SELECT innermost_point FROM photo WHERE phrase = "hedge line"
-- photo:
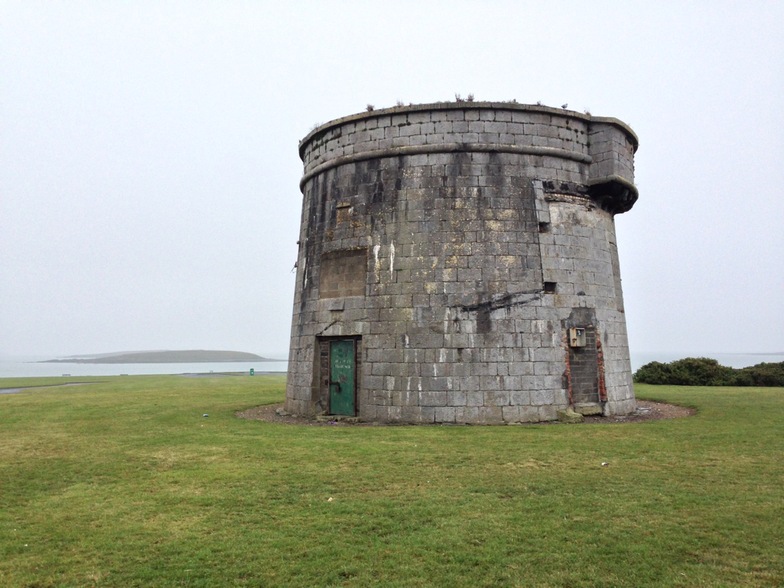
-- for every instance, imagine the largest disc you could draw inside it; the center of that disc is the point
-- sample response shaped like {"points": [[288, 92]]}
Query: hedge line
{"points": [[702, 371]]}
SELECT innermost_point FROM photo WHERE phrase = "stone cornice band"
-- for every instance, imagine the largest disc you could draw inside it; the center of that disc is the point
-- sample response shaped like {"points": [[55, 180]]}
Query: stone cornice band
{"points": [[444, 148]]}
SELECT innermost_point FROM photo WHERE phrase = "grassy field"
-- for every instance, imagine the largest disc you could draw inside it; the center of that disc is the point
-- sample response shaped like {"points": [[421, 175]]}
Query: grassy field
{"points": [[124, 482]]}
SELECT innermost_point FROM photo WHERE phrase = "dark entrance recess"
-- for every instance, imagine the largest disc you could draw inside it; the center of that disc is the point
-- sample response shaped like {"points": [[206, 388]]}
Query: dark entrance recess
{"points": [[584, 368]]}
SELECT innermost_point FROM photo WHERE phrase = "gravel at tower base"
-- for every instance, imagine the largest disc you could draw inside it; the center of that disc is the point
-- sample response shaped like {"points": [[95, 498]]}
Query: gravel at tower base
{"points": [[458, 264]]}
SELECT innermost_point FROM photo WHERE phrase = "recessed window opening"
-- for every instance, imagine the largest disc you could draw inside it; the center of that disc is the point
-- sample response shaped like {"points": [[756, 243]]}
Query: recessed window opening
{"points": [[343, 273]]}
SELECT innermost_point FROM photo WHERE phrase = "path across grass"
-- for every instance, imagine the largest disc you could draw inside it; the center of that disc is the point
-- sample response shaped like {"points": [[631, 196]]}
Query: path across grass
{"points": [[125, 482]]}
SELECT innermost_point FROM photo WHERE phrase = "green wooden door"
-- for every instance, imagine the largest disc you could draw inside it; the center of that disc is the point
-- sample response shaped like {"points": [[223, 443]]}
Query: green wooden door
{"points": [[341, 378]]}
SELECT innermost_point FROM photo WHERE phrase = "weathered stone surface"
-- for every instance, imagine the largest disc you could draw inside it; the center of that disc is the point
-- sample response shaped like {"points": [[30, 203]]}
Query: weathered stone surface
{"points": [[457, 244], [569, 416], [588, 409]]}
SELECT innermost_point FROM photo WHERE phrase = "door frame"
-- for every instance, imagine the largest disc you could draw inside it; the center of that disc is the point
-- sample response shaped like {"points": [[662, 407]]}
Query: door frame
{"points": [[322, 371]]}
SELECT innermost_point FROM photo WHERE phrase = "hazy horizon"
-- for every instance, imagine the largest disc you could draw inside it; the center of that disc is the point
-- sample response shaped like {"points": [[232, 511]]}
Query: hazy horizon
{"points": [[660, 355], [149, 169]]}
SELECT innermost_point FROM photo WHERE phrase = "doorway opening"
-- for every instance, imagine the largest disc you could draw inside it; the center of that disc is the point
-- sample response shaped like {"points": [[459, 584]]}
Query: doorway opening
{"points": [[339, 362]]}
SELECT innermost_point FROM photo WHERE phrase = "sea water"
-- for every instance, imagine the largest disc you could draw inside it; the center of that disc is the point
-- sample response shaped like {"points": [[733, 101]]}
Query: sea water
{"points": [[30, 369]]}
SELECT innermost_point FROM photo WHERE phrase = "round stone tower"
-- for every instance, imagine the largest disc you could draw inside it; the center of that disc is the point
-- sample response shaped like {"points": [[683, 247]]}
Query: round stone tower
{"points": [[458, 264]]}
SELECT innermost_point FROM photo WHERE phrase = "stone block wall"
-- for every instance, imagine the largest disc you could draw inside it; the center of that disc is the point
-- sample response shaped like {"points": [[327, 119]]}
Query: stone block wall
{"points": [[612, 152], [484, 241]]}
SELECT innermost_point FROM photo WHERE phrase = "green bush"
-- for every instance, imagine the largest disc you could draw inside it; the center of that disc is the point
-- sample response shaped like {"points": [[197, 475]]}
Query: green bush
{"points": [[654, 372], [703, 371], [762, 374]]}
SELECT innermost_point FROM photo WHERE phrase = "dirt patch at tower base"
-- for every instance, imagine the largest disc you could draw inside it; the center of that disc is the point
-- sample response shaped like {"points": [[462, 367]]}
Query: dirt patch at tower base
{"points": [[646, 411]]}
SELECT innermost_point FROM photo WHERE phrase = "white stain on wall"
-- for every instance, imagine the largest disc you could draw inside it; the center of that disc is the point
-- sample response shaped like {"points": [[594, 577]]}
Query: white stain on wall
{"points": [[392, 260]]}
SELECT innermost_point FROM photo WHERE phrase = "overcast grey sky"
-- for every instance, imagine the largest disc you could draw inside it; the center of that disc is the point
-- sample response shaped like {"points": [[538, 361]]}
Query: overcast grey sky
{"points": [[149, 172]]}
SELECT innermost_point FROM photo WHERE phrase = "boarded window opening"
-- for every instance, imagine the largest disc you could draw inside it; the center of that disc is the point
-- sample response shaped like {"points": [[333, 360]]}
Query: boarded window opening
{"points": [[343, 211], [343, 273]]}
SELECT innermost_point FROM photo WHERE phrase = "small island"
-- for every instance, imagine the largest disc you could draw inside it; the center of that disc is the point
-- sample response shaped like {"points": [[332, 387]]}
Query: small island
{"points": [[181, 356]]}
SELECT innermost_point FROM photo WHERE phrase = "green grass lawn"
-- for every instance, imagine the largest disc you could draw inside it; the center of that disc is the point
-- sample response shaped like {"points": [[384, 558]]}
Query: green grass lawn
{"points": [[123, 482]]}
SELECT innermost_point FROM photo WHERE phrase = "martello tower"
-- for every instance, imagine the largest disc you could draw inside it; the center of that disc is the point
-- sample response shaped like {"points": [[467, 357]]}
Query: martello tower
{"points": [[458, 264]]}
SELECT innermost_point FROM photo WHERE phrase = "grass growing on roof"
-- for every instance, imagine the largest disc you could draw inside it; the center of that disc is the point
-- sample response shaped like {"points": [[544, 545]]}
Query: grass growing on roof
{"points": [[123, 482]]}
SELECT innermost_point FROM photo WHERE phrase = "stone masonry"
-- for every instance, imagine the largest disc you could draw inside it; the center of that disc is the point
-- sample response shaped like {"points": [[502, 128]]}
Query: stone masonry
{"points": [[466, 253]]}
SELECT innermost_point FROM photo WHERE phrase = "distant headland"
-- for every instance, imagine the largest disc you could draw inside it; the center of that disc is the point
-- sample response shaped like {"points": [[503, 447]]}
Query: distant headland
{"points": [[181, 356]]}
